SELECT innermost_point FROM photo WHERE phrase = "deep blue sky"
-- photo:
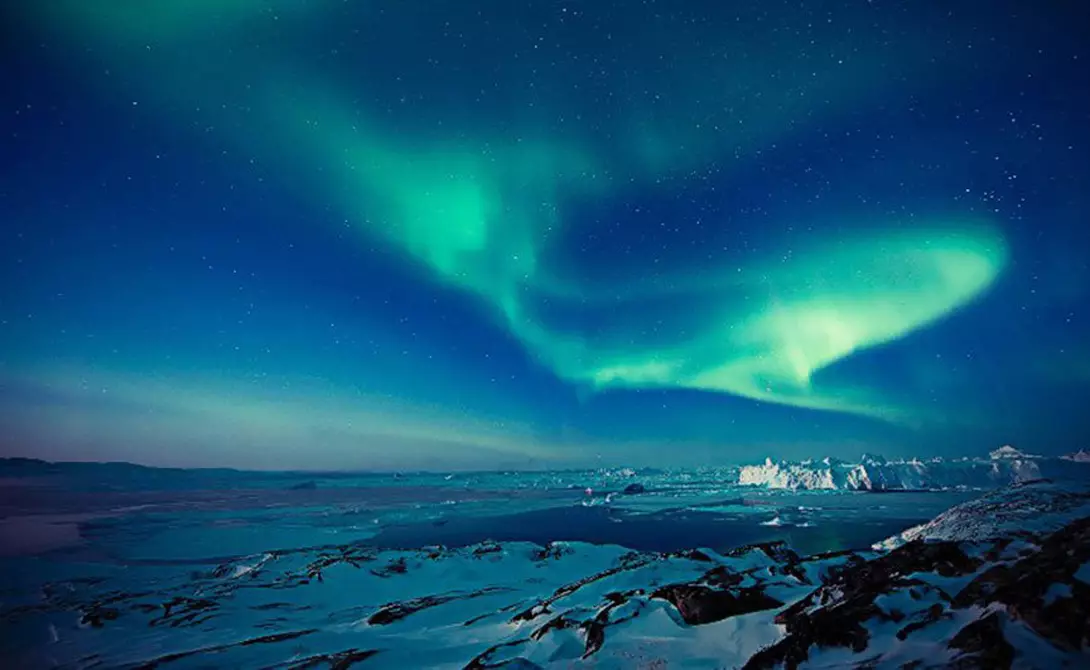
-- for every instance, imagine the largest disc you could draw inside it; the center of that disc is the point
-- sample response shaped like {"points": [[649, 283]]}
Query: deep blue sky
{"points": [[410, 235]]}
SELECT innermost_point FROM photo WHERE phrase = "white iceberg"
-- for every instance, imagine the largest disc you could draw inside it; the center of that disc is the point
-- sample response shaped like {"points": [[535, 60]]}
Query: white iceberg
{"points": [[1003, 466]]}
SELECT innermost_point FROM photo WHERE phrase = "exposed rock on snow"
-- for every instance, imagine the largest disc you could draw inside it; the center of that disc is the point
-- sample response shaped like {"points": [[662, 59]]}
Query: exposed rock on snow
{"points": [[964, 604], [834, 615], [1004, 466]]}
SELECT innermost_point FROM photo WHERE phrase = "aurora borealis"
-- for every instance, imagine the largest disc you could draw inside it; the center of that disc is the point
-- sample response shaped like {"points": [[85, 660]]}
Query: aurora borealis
{"points": [[297, 233]]}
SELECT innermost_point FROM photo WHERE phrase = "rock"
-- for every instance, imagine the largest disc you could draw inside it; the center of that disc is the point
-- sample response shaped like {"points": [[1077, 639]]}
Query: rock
{"points": [[595, 631], [699, 604], [559, 622], [341, 660], [389, 613], [983, 645], [776, 550], [552, 550], [398, 566], [484, 659], [1029, 588], [833, 615], [220, 648], [485, 548], [691, 554], [97, 616], [932, 615]]}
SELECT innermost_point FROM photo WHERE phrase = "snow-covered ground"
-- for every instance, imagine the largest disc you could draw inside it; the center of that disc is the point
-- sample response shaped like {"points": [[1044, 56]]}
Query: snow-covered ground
{"points": [[1003, 466]]}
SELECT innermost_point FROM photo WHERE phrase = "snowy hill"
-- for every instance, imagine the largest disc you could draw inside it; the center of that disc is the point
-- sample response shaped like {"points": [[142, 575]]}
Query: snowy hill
{"points": [[1004, 466], [1040, 506], [1001, 581]]}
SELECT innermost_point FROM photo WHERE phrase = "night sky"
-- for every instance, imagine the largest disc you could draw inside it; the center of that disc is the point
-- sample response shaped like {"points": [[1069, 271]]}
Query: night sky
{"points": [[510, 233]]}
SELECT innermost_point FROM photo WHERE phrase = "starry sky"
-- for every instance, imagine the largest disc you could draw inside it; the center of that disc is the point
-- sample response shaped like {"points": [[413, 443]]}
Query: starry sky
{"points": [[542, 233]]}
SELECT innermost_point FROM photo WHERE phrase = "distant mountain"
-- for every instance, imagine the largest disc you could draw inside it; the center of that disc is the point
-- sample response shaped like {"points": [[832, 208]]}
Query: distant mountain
{"points": [[1003, 466], [20, 466]]}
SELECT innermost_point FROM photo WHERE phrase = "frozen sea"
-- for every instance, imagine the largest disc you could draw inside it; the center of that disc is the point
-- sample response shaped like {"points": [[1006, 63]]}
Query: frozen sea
{"points": [[124, 514], [127, 529]]}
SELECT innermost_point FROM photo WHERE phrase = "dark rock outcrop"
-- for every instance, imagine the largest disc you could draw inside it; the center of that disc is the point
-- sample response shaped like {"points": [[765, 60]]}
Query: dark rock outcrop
{"points": [[982, 645], [833, 615], [699, 604], [392, 612], [1037, 589], [1041, 590]]}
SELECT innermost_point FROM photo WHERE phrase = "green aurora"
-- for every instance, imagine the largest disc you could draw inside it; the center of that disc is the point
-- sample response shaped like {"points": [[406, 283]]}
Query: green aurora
{"points": [[484, 207]]}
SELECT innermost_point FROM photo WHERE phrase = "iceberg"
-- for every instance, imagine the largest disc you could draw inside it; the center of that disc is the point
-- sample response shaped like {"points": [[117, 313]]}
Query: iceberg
{"points": [[1007, 451], [1003, 466], [1080, 456]]}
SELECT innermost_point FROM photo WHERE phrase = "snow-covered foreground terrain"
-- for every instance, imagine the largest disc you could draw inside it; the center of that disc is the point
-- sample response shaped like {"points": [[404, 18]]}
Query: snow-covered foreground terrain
{"points": [[120, 566], [1001, 580], [1003, 466]]}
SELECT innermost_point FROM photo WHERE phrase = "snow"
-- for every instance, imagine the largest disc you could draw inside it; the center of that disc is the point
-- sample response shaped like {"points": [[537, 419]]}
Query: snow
{"points": [[1083, 573], [1056, 592]]}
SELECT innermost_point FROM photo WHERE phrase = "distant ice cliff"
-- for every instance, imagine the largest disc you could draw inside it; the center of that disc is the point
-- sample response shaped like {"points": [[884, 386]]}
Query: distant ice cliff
{"points": [[1003, 466]]}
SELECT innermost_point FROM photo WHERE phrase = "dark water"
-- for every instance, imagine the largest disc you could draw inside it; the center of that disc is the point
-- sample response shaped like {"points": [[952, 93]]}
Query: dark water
{"points": [[830, 522], [120, 514]]}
